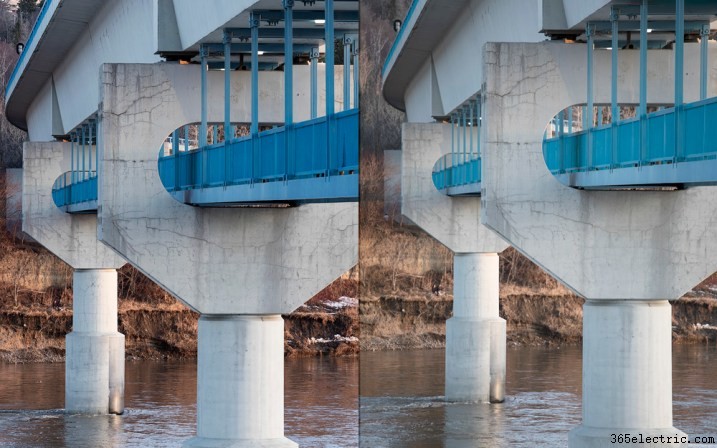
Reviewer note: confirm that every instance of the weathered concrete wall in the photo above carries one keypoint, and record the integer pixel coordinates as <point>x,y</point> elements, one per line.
<point>452,221</point>
<point>73,238</point>
<point>601,244</point>
<point>217,260</point>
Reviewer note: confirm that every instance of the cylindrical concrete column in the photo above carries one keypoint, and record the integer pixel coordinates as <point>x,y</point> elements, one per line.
<point>240,382</point>
<point>94,364</point>
<point>627,375</point>
<point>475,335</point>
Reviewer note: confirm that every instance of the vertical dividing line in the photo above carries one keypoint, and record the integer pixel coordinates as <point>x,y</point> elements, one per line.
<point>615,111</point>
<point>679,77</point>
<point>643,81</point>
<point>288,85</point>
<point>561,137</point>
<point>704,39</point>
<point>314,82</point>
<point>329,41</point>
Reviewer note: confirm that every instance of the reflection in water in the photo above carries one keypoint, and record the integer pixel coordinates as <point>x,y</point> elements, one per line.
<point>402,400</point>
<point>321,406</point>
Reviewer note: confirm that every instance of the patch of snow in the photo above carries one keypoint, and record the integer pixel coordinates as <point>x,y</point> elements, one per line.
<point>342,302</point>
<point>337,338</point>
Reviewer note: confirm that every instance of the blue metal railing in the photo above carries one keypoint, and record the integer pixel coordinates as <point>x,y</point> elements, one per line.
<point>299,151</point>
<point>30,40</point>
<point>75,187</point>
<point>449,173</point>
<point>399,36</point>
<point>570,152</point>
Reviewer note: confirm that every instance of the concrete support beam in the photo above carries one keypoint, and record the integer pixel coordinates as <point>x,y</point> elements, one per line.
<point>94,369</point>
<point>94,366</point>
<point>627,373</point>
<point>240,382</point>
<point>475,335</point>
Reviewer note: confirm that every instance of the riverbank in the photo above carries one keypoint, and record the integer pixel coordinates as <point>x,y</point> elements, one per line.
<point>396,323</point>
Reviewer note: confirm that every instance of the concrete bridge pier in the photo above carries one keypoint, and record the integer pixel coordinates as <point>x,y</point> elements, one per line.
<point>94,369</point>
<point>240,382</point>
<point>94,365</point>
<point>625,252</point>
<point>475,335</point>
<point>240,268</point>
<point>627,374</point>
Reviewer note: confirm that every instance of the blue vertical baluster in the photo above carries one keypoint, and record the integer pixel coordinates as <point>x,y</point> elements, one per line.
<point>329,13</point>
<point>679,77</point>
<point>570,120</point>
<point>465,145</point>
<point>84,144</point>
<point>72,157</point>
<point>215,132</point>
<point>288,84</point>
<point>643,81</point>
<point>314,82</point>
<point>614,17</point>
<point>561,120</point>
<point>90,144</point>
<point>704,39</point>
<point>355,53</point>
<point>186,138</point>
<point>347,72</point>
<point>175,154</point>
<point>203,126</point>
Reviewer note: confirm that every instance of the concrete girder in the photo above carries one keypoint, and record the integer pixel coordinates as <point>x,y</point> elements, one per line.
<point>220,260</point>
<point>601,244</point>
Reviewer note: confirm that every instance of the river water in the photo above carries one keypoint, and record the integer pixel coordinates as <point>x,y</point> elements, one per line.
<point>321,406</point>
<point>402,403</point>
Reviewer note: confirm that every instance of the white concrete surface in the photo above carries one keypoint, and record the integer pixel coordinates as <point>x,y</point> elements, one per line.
<point>73,238</point>
<point>240,382</point>
<point>217,260</point>
<point>451,220</point>
<point>475,335</point>
<point>649,244</point>
<point>94,366</point>
<point>627,373</point>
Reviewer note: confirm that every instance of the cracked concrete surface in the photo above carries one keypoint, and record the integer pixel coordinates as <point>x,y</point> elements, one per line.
<point>601,244</point>
<point>217,260</point>
<point>73,238</point>
<point>451,220</point>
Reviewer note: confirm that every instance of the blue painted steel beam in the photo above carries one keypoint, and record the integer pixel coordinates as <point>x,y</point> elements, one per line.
<point>227,40</point>
<point>299,33</point>
<point>642,112</point>
<point>704,39</point>
<point>72,156</point>
<point>690,26</point>
<point>254,24</point>
<point>347,72</point>
<point>91,129</point>
<point>314,87</point>
<point>84,142</point>
<point>329,52</point>
<point>355,54</point>
<point>203,82</point>
<point>275,16</point>
<point>288,63</point>
<point>614,109</point>
<point>679,76</point>
<point>268,48</point>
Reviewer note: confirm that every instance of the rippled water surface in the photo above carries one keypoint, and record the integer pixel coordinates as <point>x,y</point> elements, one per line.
<point>321,406</point>
<point>402,400</point>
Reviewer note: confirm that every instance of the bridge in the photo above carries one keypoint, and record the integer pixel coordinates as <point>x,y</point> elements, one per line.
<point>584,139</point>
<point>216,150</point>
